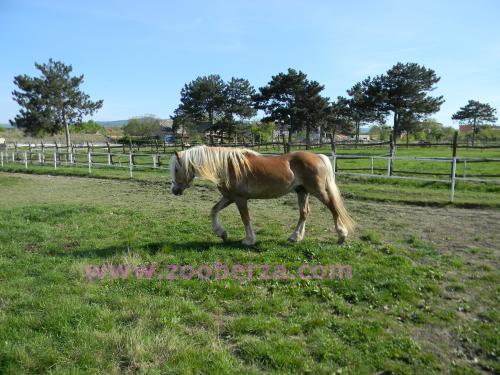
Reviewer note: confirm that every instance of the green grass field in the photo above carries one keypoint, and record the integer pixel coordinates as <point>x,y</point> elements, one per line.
<point>423,297</point>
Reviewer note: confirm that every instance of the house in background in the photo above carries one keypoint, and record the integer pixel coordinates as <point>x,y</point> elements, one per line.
<point>364,138</point>
<point>166,131</point>
<point>465,128</point>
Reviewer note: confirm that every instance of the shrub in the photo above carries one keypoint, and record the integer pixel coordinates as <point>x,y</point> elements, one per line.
<point>89,127</point>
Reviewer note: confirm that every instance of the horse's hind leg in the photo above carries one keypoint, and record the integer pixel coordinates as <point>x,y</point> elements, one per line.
<point>298,233</point>
<point>218,229</point>
<point>245,217</point>
<point>328,201</point>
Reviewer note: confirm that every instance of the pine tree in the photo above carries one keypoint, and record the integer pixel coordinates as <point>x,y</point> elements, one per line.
<point>403,91</point>
<point>475,114</point>
<point>292,98</point>
<point>51,102</point>
<point>362,108</point>
<point>209,98</point>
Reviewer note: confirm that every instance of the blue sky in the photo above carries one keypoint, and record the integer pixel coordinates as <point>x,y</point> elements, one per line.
<point>137,55</point>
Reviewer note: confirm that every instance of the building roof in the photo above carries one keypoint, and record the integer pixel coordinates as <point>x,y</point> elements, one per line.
<point>166,123</point>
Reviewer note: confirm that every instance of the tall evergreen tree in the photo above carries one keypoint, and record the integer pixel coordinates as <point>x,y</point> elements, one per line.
<point>362,107</point>
<point>51,102</point>
<point>403,90</point>
<point>210,99</point>
<point>475,114</point>
<point>315,109</point>
<point>338,119</point>
<point>238,94</point>
<point>279,99</point>
<point>203,100</point>
<point>292,98</point>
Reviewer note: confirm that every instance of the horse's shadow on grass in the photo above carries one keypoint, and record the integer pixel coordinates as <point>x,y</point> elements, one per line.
<point>153,248</point>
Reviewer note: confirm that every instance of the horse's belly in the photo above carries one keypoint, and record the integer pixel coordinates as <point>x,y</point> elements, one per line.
<point>269,190</point>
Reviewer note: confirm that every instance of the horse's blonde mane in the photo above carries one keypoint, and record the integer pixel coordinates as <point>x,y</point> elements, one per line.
<point>213,163</point>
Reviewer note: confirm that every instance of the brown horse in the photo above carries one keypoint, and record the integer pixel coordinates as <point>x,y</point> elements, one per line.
<point>242,174</point>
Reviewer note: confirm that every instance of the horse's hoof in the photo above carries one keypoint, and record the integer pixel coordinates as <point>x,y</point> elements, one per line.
<point>292,239</point>
<point>248,242</point>
<point>223,235</point>
<point>341,240</point>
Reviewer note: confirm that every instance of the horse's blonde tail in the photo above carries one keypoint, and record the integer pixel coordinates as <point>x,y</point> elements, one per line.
<point>334,193</point>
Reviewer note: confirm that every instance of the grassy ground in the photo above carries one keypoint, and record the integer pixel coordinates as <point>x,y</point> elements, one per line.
<point>423,297</point>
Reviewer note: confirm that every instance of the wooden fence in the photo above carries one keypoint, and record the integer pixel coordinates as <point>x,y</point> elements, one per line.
<point>162,147</point>
<point>159,161</point>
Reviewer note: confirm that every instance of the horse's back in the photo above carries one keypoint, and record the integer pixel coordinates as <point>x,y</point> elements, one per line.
<point>306,160</point>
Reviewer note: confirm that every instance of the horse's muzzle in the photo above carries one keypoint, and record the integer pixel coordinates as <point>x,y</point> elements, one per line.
<point>176,190</point>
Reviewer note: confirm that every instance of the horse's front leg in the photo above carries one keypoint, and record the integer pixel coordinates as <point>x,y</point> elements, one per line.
<point>218,229</point>
<point>245,217</point>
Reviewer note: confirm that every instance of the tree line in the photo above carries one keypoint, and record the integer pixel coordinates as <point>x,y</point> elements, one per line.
<point>54,102</point>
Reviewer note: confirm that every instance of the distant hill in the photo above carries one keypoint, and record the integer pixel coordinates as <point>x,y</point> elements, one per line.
<point>113,124</point>
<point>5,126</point>
<point>364,129</point>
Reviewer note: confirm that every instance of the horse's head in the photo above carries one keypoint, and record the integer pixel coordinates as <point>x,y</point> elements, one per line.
<point>181,174</point>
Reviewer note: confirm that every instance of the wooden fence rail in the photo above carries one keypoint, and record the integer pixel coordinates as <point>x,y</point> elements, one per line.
<point>165,148</point>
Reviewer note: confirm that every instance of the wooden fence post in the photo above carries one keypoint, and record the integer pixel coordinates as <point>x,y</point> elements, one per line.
<point>392,149</point>
<point>1,157</point>
<point>25,160</point>
<point>453,178</point>
<point>334,166</point>
<point>55,158</point>
<point>454,150</point>
<point>89,160</point>
<point>110,158</point>
<point>372,164</point>
<point>131,164</point>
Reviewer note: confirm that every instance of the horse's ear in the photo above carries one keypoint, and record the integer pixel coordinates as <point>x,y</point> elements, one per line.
<point>178,157</point>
